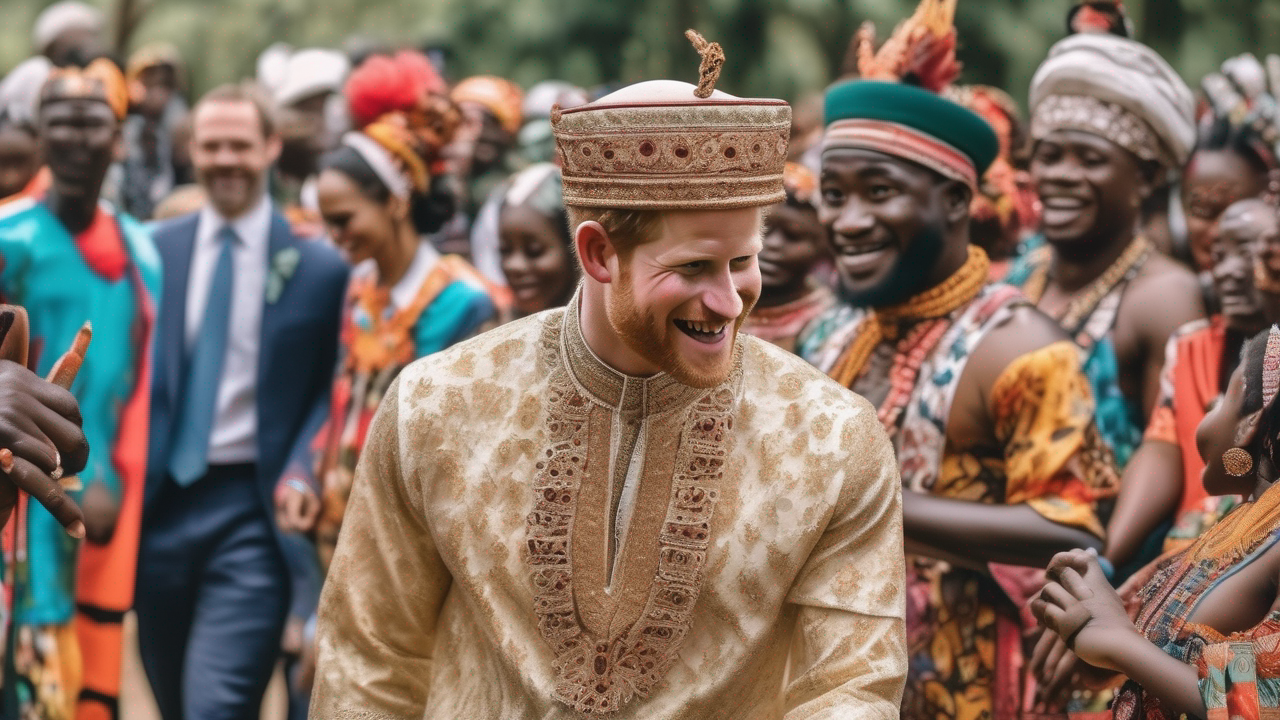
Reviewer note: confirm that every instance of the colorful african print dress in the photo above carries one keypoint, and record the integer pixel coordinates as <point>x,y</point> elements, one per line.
<point>1239,673</point>
<point>1119,420</point>
<point>439,301</point>
<point>964,629</point>
<point>69,601</point>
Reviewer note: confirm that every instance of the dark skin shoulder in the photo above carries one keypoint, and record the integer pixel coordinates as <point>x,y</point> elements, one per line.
<point>1245,598</point>
<point>1011,534</point>
<point>1162,298</point>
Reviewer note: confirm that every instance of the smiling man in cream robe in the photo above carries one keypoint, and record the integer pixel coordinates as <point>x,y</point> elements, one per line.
<point>625,508</point>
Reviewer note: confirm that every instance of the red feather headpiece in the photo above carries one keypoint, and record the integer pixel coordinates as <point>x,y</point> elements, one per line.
<point>384,84</point>
<point>921,51</point>
<point>403,103</point>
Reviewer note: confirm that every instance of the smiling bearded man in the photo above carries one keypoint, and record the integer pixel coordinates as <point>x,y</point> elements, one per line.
<point>624,508</point>
<point>981,394</point>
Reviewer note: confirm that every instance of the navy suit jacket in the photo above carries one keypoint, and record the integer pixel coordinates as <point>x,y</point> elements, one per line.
<point>297,354</point>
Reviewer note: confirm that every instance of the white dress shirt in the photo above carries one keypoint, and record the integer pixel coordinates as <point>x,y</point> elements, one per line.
<point>404,292</point>
<point>233,438</point>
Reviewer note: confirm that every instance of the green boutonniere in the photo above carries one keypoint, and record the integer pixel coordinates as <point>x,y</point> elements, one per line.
<point>283,266</point>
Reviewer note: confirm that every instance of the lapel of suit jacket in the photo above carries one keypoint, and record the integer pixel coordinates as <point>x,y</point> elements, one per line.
<point>173,308</point>
<point>280,238</point>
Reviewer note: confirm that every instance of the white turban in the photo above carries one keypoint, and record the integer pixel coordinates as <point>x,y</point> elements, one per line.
<point>272,65</point>
<point>64,17</point>
<point>1119,89</point>
<point>20,90</point>
<point>310,72</point>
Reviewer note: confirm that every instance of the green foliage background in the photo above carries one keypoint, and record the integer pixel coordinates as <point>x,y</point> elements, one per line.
<point>778,48</point>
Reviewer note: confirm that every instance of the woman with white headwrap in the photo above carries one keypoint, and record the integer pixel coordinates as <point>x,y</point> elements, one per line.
<point>533,241</point>
<point>1111,122</point>
<point>19,146</point>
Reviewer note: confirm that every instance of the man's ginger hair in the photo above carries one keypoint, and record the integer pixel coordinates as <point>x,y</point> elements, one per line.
<point>627,229</point>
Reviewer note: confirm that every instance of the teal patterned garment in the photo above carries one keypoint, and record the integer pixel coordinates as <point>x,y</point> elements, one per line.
<point>46,274</point>
<point>1119,420</point>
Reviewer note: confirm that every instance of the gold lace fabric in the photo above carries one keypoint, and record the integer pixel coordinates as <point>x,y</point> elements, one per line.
<point>598,674</point>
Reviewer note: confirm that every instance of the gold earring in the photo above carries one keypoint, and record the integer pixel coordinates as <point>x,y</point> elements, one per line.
<point>1237,462</point>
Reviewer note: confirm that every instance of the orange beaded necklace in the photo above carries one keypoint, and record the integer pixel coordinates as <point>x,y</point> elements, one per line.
<point>928,314</point>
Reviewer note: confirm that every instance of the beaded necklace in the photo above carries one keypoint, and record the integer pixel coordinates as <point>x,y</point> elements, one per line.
<point>929,316</point>
<point>1084,304</point>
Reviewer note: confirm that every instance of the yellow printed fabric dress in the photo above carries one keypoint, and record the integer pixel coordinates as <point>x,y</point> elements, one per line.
<point>964,628</point>
<point>532,535</point>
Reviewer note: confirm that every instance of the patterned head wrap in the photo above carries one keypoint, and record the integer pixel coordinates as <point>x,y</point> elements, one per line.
<point>1243,95</point>
<point>101,81</point>
<point>667,145</point>
<point>1117,89</point>
<point>498,95</point>
<point>403,119</point>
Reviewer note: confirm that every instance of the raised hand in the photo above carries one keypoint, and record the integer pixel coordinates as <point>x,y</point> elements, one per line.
<point>40,426</point>
<point>1080,607</point>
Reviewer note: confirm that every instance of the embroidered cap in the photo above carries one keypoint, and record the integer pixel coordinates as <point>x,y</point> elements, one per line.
<point>668,145</point>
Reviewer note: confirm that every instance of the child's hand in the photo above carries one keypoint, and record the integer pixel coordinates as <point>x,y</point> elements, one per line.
<point>1079,605</point>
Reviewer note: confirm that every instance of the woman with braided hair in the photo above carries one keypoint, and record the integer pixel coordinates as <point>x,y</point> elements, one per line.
<point>1201,634</point>
<point>1235,150</point>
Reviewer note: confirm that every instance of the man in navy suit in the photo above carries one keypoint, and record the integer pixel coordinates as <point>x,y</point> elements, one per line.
<point>245,353</point>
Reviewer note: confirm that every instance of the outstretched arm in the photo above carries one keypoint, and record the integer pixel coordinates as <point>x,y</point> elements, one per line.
<point>1149,495</point>
<point>1006,534</point>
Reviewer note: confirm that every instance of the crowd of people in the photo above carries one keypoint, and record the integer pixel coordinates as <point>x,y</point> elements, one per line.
<point>432,388</point>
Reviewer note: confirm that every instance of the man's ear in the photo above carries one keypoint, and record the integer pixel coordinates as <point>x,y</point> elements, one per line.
<point>274,145</point>
<point>957,196</point>
<point>595,250</point>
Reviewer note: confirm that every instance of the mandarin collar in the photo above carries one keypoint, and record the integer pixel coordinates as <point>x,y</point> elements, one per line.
<point>627,394</point>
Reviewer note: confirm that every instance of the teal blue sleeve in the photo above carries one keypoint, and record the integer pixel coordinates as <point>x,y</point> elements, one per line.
<point>16,234</point>
<point>455,315</point>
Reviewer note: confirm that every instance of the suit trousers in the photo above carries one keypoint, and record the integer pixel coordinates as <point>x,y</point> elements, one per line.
<point>212,596</point>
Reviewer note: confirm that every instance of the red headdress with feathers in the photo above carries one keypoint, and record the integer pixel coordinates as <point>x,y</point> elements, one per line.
<point>403,104</point>
<point>921,51</point>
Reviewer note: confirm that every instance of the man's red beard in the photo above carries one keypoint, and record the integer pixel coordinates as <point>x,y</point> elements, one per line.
<point>653,339</point>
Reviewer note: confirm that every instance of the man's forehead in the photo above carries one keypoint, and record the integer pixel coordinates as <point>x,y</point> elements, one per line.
<point>74,105</point>
<point>710,234</point>
<point>1251,217</point>
<point>860,162</point>
<point>226,116</point>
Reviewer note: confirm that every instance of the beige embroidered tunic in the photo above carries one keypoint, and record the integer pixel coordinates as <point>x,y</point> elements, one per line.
<point>532,535</point>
